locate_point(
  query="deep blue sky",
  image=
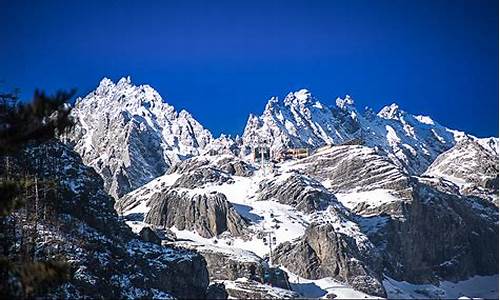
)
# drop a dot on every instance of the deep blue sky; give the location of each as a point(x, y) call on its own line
point(222, 60)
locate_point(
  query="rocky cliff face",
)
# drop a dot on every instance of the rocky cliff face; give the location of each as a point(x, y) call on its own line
point(458, 223)
point(325, 252)
point(402, 216)
point(207, 214)
point(106, 258)
point(296, 190)
point(173, 200)
point(129, 135)
point(226, 263)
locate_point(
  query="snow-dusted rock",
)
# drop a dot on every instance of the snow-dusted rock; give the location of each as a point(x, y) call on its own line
point(472, 165)
point(208, 214)
point(227, 263)
point(222, 145)
point(129, 135)
point(107, 260)
point(412, 142)
point(326, 251)
point(362, 179)
point(299, 121)
point(296, 190)
point(229, 164)
point(249, 289)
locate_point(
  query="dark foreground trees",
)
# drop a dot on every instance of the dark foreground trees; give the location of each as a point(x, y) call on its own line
point(26, 197)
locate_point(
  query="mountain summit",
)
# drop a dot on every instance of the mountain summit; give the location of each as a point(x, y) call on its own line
point(129, 135)
point(301, 121)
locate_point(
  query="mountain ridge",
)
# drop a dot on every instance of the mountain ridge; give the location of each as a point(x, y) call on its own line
point(149, 135)
point(366, 192)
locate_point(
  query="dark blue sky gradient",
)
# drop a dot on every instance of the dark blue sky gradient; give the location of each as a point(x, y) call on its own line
point(222, 60)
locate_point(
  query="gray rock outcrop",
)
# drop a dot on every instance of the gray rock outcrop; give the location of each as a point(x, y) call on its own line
point(441, 235)
point(249, 289)
point(224, 263)
point(217, 290)
point(323, 252)
point(208, 214)
point(200, 177)
point(299, 191)
point(148, 235)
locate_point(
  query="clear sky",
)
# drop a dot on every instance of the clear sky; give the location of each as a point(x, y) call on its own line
point(222, 60)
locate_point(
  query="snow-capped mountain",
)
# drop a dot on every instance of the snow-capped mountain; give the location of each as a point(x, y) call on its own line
point(129, 135)
point(299, 121)
point(373, 214)
point(412, 142)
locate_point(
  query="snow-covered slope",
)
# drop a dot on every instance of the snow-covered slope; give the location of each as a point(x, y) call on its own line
point(472, 165)
point(413, 142)
point(129, 135)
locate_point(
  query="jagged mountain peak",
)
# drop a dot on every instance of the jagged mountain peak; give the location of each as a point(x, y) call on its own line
point(299, 121)
point(392, 111)
point(413, 142)
point(130, 135)
point(301, 96)
point(346, 103)
point(125, 95)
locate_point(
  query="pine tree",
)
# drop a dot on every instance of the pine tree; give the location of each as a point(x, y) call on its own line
point(22, 195)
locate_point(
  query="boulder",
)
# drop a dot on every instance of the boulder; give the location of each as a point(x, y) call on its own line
point(148, 235)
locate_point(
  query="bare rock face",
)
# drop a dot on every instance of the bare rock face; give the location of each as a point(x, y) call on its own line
point(299, 191)
point(200, 177)
point(441, 235)
point(225, 263)
point(189, 165)
point(148, 235)
point(235, 167)
point(323, 252)
point(208, 214)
